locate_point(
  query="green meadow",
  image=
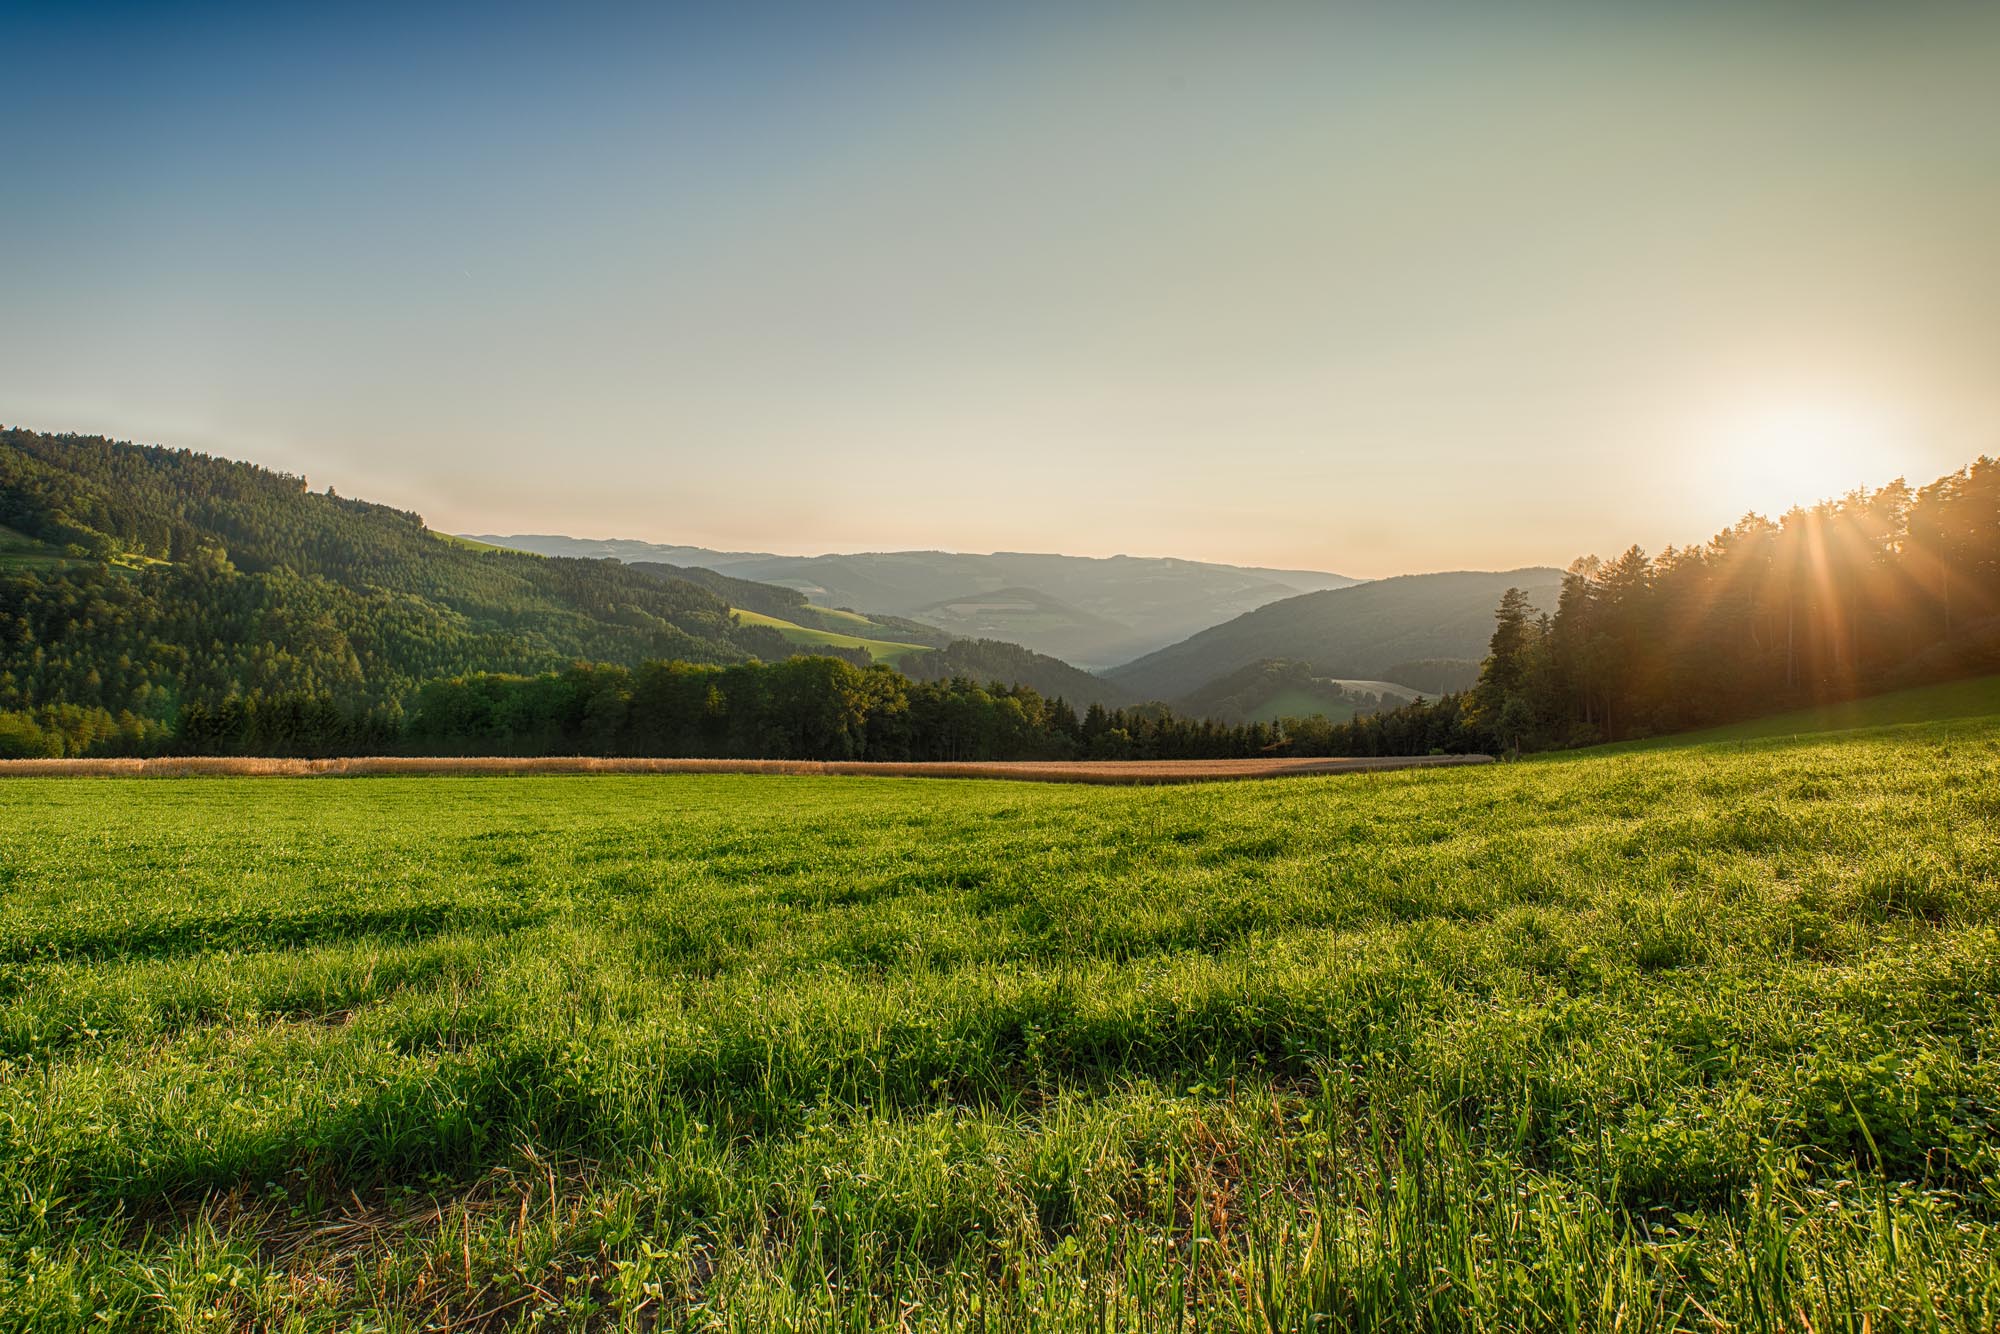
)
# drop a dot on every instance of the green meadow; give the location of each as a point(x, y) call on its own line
point(1703, 1037)
point(1974, 698)
point(466, 543)
point(881, 650)
point(20, 552)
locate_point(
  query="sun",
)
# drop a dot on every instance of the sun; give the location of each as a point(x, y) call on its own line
point(1774, 456)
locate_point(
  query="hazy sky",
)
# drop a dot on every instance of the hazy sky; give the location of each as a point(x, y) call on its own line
point(1350, 287)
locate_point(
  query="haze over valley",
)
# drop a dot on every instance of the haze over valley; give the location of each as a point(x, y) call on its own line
point(1095, 612)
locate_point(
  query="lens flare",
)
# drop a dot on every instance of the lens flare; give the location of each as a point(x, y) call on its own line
point(1773, 457)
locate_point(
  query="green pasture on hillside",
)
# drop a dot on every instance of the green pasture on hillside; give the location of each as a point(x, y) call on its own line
point(881, 650)
point(853, 618)
point(19, 552)
point(469, 544)
point(1697, 1038)
point(1975, 698)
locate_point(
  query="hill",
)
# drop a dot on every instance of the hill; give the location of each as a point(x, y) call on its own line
point(813, 638)
point(985, 660)
point(1268, 690)
point(138, 581)
point(879, 638)
point(20, 552)
point(1975, 698)
point(1024, 616)
point(148, 593)
point(1435, 676)
point(1358, 632)
point(1087, 610)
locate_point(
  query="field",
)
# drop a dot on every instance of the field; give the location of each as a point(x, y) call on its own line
point(854, 618)
point(881, 650)
point(466, 542)
point(1702, 1038)
point(1102, 772)
point(20, 552)
point(1976, 698)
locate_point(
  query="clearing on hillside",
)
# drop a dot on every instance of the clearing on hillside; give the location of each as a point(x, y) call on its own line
point(881, 650)
point(18, 551)
point(1696, 1038)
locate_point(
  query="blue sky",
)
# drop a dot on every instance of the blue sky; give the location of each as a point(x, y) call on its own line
point(1341, 286)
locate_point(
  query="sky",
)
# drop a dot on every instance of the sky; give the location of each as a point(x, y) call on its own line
point(1364, 288)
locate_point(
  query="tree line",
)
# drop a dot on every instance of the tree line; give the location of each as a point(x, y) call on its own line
point(1877, 590)
point(807, 707)
point(815, 708)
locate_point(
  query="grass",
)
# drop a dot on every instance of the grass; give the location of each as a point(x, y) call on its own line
point(1975, 698)
point(468, 543)
point(1698, 1038)
point(881, 650)
point(20, 552)
point(853, 618)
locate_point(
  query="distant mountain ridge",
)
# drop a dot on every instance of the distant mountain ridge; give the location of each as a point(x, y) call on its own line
point(1088, 610)
point(1362, 632)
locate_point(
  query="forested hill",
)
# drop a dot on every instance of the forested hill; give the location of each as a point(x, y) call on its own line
point(973, 659)
point(1089, 610)
point(1366, 631)
point(790, 605)
point(995, 660)
point(137, 581)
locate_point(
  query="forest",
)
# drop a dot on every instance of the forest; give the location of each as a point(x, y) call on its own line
point(1880, 589)
point(806, 707)
point(153, 599)
point(803, 708)
point(145, 581)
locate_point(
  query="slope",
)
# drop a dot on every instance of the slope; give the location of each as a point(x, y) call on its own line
point(1140, 603)
point(813, 637)
point(20, 552)
point(1359, 632)
point(1978, 697)
point(990, 660)
point(1028, 616)
point(1268, 690)
point(790, 605)
point(190, 579)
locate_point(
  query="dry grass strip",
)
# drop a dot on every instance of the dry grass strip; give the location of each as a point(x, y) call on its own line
point(1033, 771)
